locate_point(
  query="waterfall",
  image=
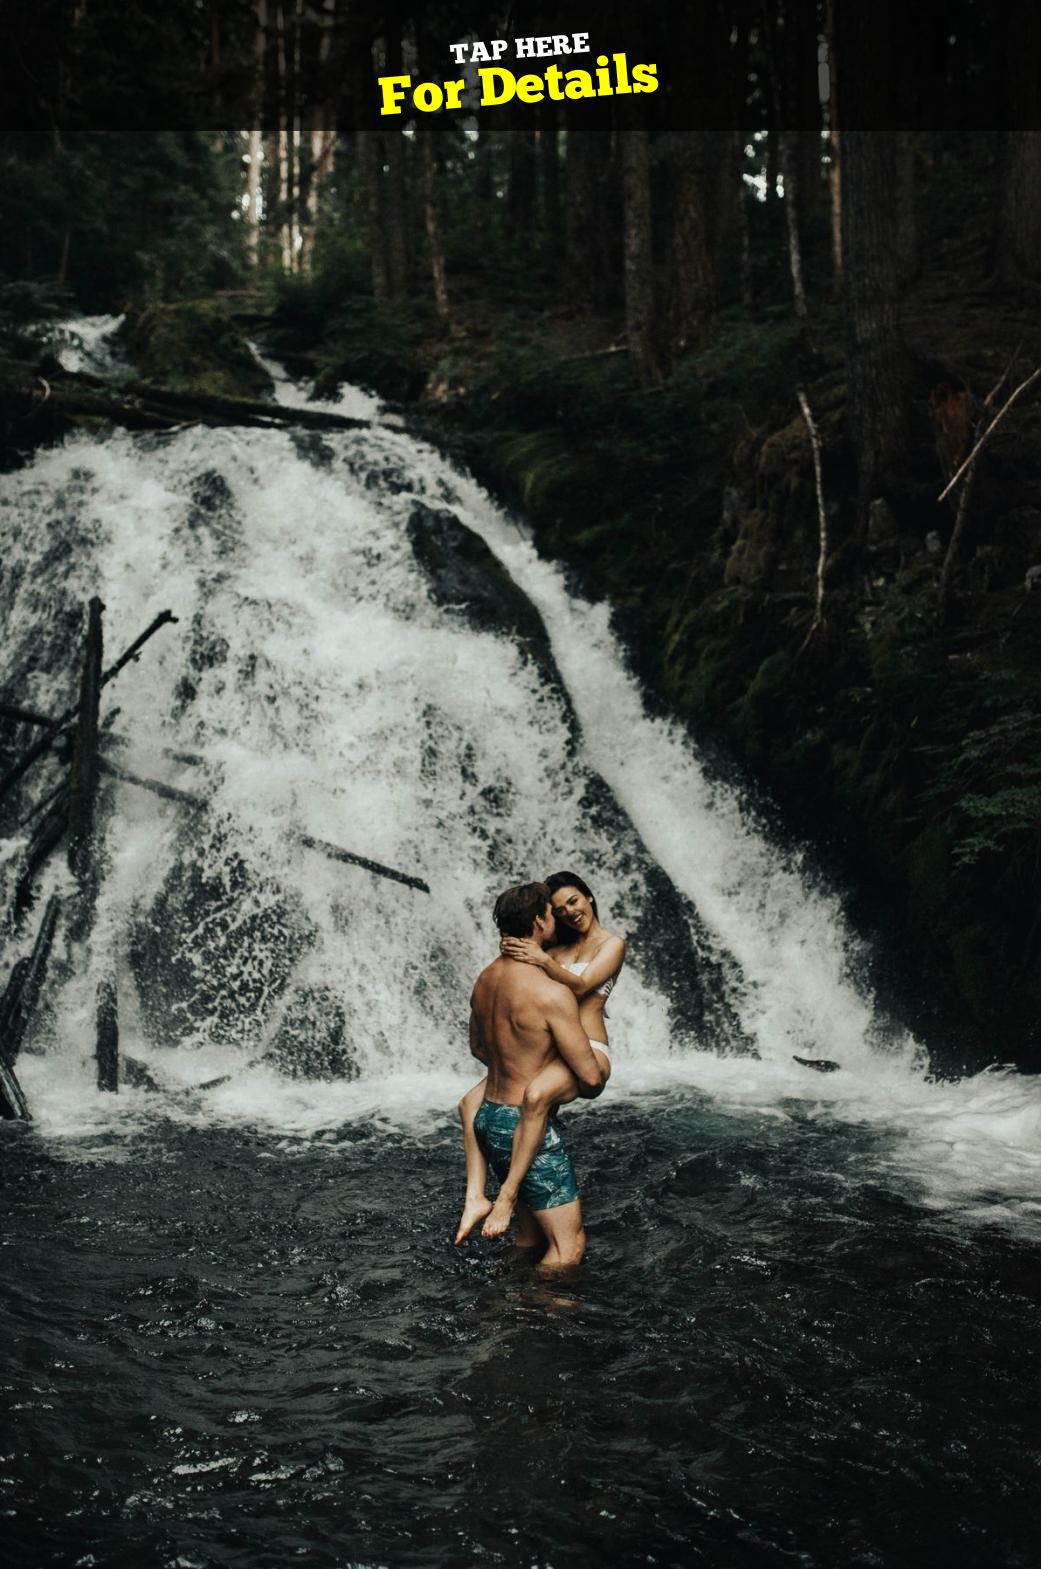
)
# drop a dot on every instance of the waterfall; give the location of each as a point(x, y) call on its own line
point(325, 691)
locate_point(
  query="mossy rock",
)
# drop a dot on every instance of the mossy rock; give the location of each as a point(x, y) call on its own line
point(193, 347)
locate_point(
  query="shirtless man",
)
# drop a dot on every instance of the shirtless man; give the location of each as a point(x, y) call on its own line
point(519, 1021)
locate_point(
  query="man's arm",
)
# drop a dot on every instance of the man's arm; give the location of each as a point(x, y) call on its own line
point(572, 1043)
point(476, 1047)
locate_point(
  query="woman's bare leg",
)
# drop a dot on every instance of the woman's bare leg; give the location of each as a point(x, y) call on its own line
point(554, 1086)
point(475, 1205)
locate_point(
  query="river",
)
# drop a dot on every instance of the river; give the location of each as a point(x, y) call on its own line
point(237, 1329)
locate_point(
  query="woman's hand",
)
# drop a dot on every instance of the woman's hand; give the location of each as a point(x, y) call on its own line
point(526, 949)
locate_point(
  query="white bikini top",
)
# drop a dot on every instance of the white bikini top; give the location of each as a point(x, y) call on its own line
point(579, 966)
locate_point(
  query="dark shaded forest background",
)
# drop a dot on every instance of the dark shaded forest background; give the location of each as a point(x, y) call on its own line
point(725, 346)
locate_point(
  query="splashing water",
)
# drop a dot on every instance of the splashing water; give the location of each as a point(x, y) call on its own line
point(326, 694)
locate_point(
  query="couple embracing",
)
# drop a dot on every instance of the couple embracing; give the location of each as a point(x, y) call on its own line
point(537, 1022)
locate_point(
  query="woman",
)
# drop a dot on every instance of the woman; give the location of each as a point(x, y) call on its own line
point(586, 958)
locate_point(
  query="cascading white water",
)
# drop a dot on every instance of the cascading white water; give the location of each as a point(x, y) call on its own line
point(329, 695)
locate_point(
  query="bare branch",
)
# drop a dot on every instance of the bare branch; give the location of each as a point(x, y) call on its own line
point(822, 516)
point(981, 443)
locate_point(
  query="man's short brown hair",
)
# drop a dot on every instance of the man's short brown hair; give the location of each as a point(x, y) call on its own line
point(517, 909)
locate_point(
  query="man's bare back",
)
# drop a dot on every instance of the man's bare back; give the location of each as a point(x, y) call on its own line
point(521, 1020)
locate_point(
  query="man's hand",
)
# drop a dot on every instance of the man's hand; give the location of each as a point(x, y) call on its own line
point(525, 949)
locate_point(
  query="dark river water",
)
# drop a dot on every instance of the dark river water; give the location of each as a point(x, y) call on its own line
point(226, 1348)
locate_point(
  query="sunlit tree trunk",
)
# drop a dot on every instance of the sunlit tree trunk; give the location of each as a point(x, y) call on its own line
point(253, 174)
point(322, 137)
point(285, 232)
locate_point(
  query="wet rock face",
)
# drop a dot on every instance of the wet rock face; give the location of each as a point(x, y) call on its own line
point(464, 575)
point(310, 1041)
point(215, 951)
point(666, 939)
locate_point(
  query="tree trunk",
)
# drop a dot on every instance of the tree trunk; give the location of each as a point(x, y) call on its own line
point(1017, 229)
point(834, 148)
point(83, 780)
point(640, 310)
point(789, 171)
point(395, 216)
point(520, 184)
point(256, 143)
point(284, 229)
point(1016, 249)
point(908, 264)
point(586, 262)
point(549, 172)
point(874, 350)
point(432, 223)
point(483, 182)
point(691, 280)
point(322, 138)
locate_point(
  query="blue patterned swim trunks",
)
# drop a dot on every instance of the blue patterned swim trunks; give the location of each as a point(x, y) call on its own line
point(550, 1181)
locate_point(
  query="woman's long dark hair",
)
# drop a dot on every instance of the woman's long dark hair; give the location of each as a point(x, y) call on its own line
point(566, 935)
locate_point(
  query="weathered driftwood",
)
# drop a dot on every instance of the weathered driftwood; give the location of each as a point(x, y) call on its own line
point(107, 1051)
point(59, 726)
point(333, 851)
point(83, 779)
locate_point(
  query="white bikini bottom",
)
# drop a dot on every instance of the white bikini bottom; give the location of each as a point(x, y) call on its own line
point(600, 1046)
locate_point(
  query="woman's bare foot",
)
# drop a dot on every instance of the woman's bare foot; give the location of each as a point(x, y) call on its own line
point(474, 1209)
point(498, 1222)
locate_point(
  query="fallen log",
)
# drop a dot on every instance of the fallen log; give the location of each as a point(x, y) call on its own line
point(212, 409)
point(75, 398)
point(46, 838)
point(28, 716)
point(59, 726)
point(332, 851)
point(83, 779)
point(107, 1050)
point(24, 716)
point(13, 1105)
point(23, 989)
point(9, 1005)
